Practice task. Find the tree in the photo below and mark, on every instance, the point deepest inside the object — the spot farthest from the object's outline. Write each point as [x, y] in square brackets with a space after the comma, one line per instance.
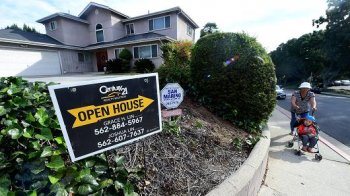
[337, 39]
[209, 28]
[25, 28]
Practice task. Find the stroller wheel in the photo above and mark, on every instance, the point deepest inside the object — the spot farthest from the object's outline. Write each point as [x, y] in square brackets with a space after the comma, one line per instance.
[290, 144]
[298, 152]
[318, 157]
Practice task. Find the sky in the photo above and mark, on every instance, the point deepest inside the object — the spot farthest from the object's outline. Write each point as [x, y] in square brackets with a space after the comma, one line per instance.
[271, 22]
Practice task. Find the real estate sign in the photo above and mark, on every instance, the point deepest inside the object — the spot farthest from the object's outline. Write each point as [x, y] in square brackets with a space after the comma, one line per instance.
[97, 116]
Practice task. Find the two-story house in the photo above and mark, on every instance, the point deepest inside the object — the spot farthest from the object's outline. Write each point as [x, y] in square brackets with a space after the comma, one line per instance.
[83, 43]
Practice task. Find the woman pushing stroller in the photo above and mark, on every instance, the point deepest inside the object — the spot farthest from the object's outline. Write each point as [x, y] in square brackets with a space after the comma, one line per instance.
[300, 102]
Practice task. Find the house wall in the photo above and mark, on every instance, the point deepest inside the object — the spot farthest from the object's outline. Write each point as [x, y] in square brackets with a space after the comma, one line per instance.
[70, 62]
[69, 32]
[182, 30]
[104, 18]
[75, 33]
[142, 26]
[118, 28]
[58, 33]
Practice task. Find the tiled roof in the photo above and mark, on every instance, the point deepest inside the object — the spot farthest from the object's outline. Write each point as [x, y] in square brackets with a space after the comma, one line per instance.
[12, 34]
[133, 38]
[154, 14]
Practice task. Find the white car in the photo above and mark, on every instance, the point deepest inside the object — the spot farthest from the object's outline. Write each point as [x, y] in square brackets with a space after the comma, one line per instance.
[280, 93]
[345, 82]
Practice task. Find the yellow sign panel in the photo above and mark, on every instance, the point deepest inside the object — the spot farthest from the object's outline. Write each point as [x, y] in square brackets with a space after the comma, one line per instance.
[92, 114]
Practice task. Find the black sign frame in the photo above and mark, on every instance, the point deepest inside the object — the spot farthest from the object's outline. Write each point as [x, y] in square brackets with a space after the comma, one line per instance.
[125, 109]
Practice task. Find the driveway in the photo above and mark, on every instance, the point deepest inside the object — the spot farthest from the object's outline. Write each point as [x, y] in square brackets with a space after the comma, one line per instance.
[73, 78]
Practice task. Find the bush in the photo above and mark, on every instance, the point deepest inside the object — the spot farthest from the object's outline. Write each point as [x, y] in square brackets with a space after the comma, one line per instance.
[125, 54]
[234, 76]
[33, 155]
[176, 67]
[174, 74]
[117, 66]
[177, 53]
[144, 66]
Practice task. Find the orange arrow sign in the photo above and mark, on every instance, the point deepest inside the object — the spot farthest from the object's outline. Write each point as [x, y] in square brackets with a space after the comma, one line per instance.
[92, 114]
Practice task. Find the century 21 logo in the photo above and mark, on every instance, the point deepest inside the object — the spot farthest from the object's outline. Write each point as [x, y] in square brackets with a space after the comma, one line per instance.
[113, 91]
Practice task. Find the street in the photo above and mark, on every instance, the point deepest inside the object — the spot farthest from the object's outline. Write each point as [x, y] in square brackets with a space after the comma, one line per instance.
[333, 115]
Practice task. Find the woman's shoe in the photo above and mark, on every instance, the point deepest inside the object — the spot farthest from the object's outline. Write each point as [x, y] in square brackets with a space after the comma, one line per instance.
[310, 150]
[304, 148]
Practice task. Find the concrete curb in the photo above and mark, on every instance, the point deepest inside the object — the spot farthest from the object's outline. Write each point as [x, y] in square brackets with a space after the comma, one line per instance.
[247, 180]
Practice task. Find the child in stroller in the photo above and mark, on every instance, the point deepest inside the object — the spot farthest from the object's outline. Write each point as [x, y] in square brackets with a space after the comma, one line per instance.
[307, 132]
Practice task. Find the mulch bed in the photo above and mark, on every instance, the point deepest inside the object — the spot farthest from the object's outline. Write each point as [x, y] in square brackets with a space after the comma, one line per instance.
[191, 163]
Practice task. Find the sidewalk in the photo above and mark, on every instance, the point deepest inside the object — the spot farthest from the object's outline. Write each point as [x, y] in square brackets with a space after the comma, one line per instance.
[288, 174]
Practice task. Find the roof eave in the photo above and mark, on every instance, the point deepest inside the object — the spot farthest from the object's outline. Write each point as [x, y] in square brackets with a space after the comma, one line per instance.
[43, 20]
[151, 14]
[189, 19]
[103, 7]
[129, 42]
[38, 44]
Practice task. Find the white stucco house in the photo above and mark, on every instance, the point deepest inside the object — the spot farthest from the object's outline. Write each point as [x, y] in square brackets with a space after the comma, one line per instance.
[83, 43]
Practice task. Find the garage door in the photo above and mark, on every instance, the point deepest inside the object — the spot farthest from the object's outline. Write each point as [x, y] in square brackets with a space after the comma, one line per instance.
[17, 62]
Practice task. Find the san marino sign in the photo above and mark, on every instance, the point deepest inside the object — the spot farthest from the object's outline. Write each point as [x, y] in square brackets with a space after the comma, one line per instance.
[101, 115]
[172, 95]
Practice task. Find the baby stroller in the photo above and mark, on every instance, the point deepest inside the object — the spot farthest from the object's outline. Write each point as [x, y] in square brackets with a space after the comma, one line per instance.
[296, 137]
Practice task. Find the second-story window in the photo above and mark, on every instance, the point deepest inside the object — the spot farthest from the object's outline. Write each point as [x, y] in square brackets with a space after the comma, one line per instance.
[159, 23]
[99, 33]
[53, 25]
[189, 30]
[130, 29]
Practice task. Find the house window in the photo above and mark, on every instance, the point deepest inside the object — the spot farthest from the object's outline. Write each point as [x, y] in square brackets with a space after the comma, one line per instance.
[99, 33]
[117, 52]
[130, 29]
[189, 30]
[159, 23]
[148, 51]
[53, 25]
[81, 57]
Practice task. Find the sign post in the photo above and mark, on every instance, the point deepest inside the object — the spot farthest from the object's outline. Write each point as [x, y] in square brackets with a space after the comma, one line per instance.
[101, 115]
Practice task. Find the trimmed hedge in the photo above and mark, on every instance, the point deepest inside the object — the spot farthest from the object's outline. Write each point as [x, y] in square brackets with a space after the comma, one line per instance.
[234, 76]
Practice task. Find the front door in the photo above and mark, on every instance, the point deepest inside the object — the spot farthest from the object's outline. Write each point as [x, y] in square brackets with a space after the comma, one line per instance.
[101, 58]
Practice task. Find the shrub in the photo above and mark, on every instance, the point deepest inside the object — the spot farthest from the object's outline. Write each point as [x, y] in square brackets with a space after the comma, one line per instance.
[234, 76]
[177, 53]
[176, 67]
[144, 66]
[33, 155]
[174, 74]
[125, 54]
[117, 66]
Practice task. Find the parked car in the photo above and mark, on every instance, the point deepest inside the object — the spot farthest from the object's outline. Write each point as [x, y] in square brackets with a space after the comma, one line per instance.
[316, 90]
[280, 93]
[345, 82]
[336, 83]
